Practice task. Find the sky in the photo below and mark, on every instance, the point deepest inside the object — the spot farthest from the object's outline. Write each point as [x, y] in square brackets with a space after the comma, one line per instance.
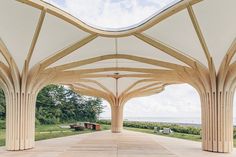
[112, 13]
[177, 100]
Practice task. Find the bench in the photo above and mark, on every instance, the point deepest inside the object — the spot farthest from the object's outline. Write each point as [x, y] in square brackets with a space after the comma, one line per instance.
[93, 126]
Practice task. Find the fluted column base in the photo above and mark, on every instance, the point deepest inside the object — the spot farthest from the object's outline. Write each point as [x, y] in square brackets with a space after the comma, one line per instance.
[117, 119]
[217, 124]
[20, 121]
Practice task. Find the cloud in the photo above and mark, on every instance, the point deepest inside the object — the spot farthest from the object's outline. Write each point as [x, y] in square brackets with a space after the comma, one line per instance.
[176, 101]
[111, 13]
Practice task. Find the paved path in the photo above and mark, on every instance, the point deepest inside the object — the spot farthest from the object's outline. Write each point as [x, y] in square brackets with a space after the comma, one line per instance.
[106, 144]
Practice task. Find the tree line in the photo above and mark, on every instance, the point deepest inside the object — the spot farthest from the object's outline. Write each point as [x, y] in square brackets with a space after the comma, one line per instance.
[59, 104]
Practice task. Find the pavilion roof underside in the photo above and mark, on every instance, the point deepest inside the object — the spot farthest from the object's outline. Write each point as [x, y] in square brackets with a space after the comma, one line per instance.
[138, 61]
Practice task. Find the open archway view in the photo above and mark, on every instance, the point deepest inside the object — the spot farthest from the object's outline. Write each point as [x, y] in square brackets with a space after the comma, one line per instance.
[57, 107]
[178, 107]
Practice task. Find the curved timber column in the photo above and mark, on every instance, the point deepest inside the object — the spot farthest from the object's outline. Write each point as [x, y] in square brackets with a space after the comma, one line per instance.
[217, 124]
[20, 120]
[116, 118]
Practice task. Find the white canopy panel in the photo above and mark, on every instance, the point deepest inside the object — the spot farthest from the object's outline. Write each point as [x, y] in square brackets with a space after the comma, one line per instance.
[216, 19]
[55, 35]
[178, 32]
[17, 26]
[98, 47]
[134, 46]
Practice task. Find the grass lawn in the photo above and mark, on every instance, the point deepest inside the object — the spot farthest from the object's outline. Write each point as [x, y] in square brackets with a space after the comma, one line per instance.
[149, 131]
[105, 127]
[43, 132]
[2, 137]
[175, 135]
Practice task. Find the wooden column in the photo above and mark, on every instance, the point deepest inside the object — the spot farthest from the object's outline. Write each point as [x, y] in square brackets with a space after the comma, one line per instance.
[217, 124]
[20, 120]
[116, 118]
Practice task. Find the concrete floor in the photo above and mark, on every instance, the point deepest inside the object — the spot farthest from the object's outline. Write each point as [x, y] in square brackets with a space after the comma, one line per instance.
[104, 143]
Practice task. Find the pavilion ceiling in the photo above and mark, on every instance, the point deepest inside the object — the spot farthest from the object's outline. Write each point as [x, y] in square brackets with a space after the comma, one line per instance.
[179, 45]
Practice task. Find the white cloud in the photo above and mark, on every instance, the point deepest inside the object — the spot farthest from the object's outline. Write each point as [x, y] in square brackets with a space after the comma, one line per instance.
[111, 13]
[176, 101]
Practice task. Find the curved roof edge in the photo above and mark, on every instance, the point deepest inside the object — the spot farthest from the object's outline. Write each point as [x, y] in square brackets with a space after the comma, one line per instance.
[123, 28]
[139, 27]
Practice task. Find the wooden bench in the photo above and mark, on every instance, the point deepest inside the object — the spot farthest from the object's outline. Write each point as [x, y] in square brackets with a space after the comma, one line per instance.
[93, 126]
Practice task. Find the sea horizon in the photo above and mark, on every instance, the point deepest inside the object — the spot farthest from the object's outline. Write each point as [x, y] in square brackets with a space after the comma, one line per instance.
[179, 120]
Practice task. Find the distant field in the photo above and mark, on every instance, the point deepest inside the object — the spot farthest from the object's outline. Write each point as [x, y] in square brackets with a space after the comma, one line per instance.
[175, 135]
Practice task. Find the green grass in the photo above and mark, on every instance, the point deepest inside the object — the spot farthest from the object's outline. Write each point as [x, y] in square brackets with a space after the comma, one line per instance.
[174, 134]
[51, 127]
[43, 132]
[2, 137]
[105, 127]
[150, 131]
[49, 135]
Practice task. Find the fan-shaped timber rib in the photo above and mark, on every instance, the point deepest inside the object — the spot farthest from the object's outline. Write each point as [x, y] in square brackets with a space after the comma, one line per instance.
[168, 50]
[120, 56]
[13, 69]
[66, 51]
[138, 82]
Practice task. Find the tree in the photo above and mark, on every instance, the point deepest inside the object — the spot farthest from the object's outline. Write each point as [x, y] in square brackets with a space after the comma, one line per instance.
[2, 105]
[58, 104]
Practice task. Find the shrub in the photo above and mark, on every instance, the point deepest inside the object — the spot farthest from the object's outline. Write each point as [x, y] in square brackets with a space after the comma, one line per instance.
[235, 133]
[72, 126]
[49, 120]
[160, 126]
[2, 124]
[78, 128]
[37, 122]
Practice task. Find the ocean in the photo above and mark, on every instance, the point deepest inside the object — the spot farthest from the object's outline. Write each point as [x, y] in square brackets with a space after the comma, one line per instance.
[179, 120]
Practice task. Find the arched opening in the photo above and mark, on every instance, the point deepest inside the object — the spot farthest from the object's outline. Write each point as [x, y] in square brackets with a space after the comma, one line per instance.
[177, 107]
[58, 108]
[55, 106]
